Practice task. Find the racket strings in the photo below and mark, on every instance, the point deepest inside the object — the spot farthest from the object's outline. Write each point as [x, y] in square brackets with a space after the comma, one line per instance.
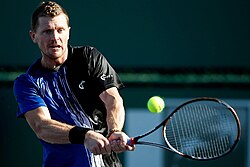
[202, 130]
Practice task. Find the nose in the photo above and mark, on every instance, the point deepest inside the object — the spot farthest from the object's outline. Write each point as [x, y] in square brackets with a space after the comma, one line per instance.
[54, 35]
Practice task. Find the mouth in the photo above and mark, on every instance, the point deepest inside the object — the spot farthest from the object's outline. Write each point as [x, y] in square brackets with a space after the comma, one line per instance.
[55, 46]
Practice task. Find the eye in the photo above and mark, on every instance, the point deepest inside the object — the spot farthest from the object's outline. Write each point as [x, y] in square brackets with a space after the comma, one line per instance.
[60, 30]
[47, 31]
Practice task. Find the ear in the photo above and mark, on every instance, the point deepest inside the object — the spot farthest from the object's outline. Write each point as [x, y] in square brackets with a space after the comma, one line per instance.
[33, 36]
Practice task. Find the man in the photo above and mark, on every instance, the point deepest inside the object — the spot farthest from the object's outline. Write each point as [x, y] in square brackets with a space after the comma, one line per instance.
[70, 97]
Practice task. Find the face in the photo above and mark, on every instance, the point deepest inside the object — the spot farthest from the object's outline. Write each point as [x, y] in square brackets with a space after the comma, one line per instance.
[51, 36]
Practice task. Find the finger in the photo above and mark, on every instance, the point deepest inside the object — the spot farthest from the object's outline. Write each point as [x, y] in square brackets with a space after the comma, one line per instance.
[130, 148]
[103, 146]
[94, 151]
[105, 150]
[114, 146]
[108, 149]
[117, 147]
[98, 148]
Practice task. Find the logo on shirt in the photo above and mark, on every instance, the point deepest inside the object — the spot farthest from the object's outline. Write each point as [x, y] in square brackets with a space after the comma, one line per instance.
[104, 76]
[81, 85]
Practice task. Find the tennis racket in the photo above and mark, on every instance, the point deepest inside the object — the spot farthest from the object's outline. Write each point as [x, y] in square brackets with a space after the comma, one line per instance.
[200, 129]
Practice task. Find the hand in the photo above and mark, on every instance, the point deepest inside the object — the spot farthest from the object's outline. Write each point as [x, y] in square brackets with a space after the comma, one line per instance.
[118, 142]
[97, 143]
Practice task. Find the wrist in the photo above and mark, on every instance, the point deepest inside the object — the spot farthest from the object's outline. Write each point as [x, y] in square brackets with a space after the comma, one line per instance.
[77, 135]
[111, 131]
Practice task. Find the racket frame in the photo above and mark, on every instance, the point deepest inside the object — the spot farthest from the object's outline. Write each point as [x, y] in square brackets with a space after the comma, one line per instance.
[135, 140]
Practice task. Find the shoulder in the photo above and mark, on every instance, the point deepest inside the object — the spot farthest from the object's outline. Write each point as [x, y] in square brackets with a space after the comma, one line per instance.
[88, 54]
[20, 79]
[35, 69]
[21, 84]
[87, 51]
[84, 50]
[27, 78]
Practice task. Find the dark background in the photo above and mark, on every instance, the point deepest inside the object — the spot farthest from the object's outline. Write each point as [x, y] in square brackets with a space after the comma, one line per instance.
[141, 33]
[186, 41]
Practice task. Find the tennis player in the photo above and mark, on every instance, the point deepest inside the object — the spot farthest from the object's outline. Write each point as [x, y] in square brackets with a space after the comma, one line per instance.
[70, 98]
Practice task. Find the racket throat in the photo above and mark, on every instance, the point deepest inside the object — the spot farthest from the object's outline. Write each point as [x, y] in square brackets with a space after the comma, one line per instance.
[132, 141]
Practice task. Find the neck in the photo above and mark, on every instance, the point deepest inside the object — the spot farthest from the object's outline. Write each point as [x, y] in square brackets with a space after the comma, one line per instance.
[50, 63]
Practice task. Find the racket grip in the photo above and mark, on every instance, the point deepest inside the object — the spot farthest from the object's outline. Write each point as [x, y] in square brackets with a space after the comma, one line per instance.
[131, 141]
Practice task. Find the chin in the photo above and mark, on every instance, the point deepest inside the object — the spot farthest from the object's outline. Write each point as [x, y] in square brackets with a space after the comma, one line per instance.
[54, 55]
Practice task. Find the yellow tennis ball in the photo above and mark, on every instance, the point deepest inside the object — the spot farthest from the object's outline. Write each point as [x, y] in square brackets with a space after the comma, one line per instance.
[155, 104]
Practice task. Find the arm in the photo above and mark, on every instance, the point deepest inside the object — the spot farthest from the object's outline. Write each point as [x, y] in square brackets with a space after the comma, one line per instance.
[115, 119]
[114, 106]
[46, 128]
[55, 132]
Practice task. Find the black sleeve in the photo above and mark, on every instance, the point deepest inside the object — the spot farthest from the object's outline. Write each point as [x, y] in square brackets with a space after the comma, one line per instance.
[102, 73]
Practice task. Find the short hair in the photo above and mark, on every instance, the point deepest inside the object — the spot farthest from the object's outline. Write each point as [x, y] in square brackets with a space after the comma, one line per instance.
[49, 9]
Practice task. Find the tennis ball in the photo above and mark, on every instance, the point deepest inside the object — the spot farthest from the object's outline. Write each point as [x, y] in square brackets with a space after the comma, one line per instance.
[155, 104]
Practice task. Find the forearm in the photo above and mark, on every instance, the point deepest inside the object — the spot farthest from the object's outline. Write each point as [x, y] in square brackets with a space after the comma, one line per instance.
[115, 115]
[115, 109]
[115, 120]
[47, 129]
[56, 132]
[53, 131]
